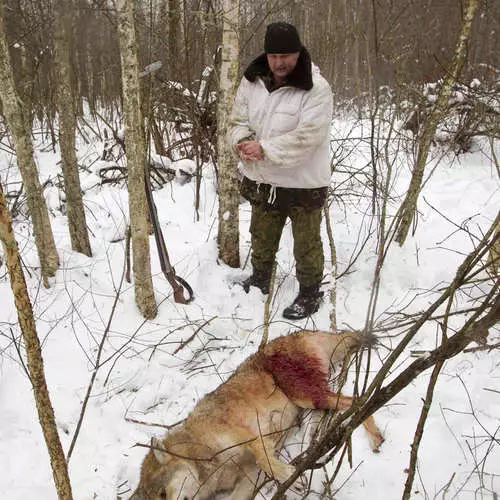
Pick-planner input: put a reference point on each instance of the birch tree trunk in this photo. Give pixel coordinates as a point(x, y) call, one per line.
point(409, 206)
point(34, 354)
point(17, 123)
point(67, 127)
point(228, 236)
point(136, 159)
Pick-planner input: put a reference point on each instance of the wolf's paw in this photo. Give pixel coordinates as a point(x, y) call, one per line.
point(376, 441)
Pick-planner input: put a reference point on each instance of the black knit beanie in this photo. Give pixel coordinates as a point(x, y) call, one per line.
point(282, 38)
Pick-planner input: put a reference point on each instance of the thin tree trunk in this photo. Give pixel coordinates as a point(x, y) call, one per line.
point(185, 22)
point(174, 36)
point(229, 197)
point(409, 206)
point(420, 429)
point(34, 354)
point(67, 127)
point(357, 49)
point(136, 159)
point(16, 119)
point(157, 136)
point(333, 254)
point(267, 308)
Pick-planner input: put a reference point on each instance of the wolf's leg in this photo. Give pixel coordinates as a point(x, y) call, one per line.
point(330, 401)
point(263, 449)
point(340, 402)
point(374, 434)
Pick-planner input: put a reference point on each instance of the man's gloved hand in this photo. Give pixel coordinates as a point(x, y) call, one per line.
point(250, 151)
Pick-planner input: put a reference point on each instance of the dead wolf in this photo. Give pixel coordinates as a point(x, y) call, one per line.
point(236, 430)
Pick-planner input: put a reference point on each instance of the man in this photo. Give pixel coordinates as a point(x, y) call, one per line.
point(279, 127)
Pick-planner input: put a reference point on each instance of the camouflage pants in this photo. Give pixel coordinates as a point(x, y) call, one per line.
point(266, 227)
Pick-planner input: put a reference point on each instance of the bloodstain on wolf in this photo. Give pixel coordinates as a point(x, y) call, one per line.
point(300, 378)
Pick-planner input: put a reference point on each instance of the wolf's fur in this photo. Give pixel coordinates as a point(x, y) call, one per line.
point(236, 430)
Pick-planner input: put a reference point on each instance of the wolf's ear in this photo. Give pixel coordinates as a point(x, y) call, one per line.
point(157, 446)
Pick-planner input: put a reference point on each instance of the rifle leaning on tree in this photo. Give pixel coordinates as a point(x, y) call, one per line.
point(178, 284)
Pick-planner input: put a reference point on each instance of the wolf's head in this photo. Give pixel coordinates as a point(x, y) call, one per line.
point(167, 476)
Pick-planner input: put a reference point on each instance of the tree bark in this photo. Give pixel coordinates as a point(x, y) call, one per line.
point(136, 159)
point(228, 236)
point(34, 353)
point(16, 119)
point(409, 206)
point(67, 127)
point(26, 85)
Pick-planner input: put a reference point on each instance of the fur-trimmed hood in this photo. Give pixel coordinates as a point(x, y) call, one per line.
point(301, 77)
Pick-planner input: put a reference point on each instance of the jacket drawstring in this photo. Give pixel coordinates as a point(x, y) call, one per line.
point(272, 195)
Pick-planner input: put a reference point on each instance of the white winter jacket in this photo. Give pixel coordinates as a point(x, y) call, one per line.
point(292, 126)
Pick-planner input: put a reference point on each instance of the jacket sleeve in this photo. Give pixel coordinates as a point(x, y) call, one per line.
point(294, 147)
point(238, 128)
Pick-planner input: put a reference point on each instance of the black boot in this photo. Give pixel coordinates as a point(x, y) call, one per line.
point(306, 303)
point(259, 279)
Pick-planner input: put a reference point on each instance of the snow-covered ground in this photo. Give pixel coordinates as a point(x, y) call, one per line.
point(145, 377)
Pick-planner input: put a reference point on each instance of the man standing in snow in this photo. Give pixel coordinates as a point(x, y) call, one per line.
point(279, 127)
